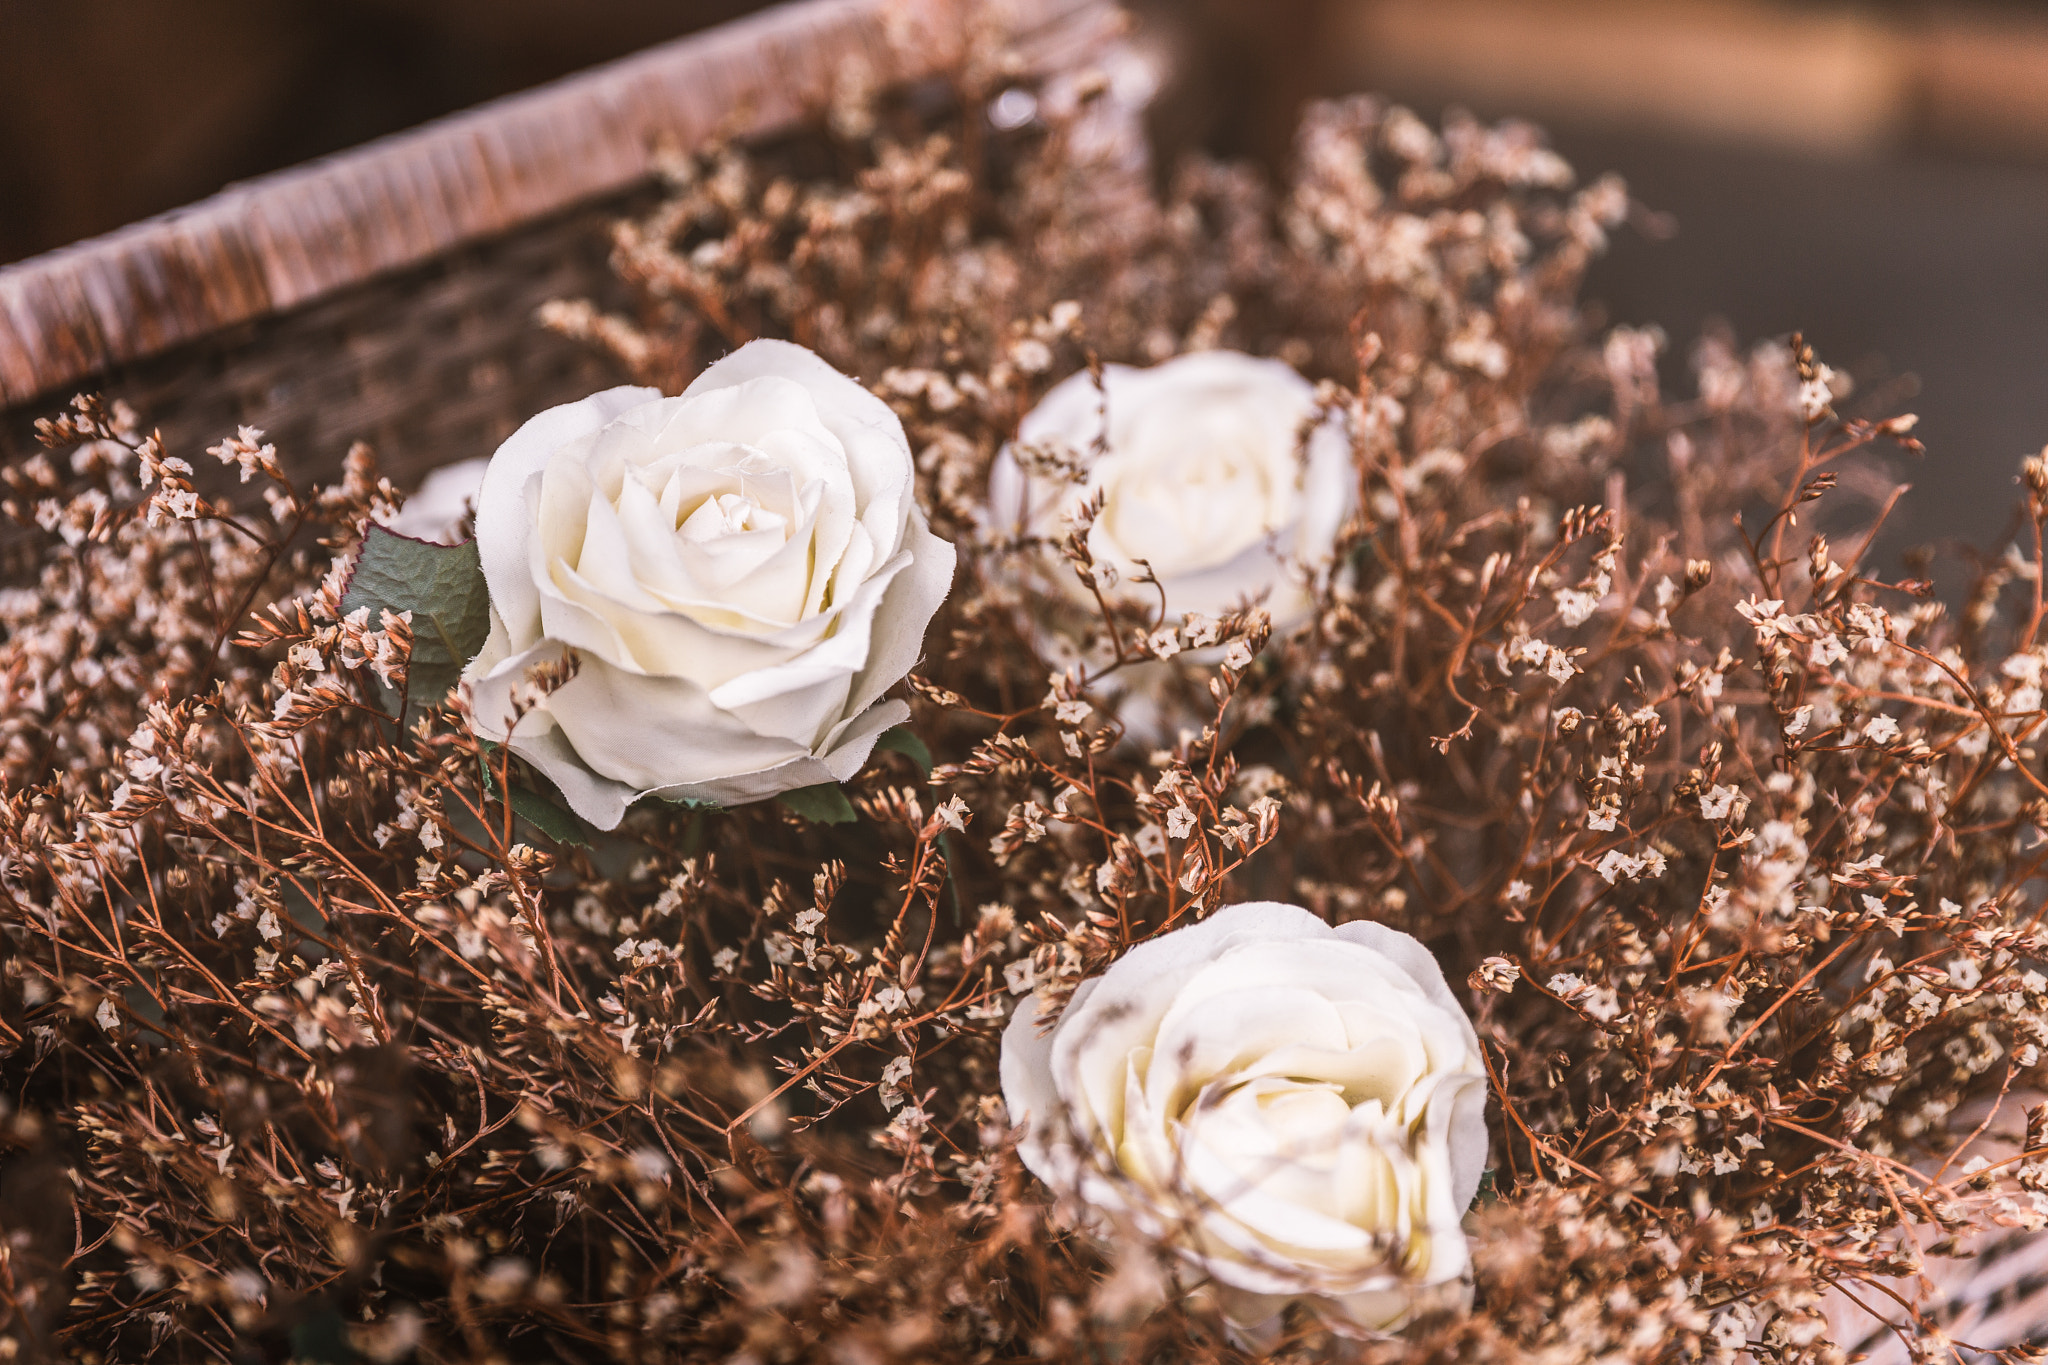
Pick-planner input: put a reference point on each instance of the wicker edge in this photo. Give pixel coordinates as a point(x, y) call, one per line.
point(277, 243)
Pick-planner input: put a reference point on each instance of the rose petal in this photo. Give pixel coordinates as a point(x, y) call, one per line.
point(1030, 1092)
point(598, 800)
point(1218, 1031)
point(1221, 1173)
point(846, 752)
point(913, 597)
point(878, 452)
point(1467, 1136)
point(503, 521)
point(658, 732)
point(782, 420)
point(801, 697)
point(1136, 992)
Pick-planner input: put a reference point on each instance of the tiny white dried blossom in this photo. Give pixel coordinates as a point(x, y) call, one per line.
point(1201, 630)
point(1717, 802)
point(1567, 985)
point(1827, 650)
point(895, 1077)
point(1815, 395)
point(1020, 976)
point(247, 449)
point(181, 503)
point(1031, 355)
point(1574, 607)
point(1499, 974)
point(1801, 718)
point(1180, 822)
point(954, 814)
point(1881, 729)
point(1616, 865)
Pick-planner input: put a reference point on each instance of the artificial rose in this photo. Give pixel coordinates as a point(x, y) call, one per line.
point(740, 573)
point(1202, 476)
point(1297, 1110)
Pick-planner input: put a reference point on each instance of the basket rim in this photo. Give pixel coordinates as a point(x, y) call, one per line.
point(280, 241)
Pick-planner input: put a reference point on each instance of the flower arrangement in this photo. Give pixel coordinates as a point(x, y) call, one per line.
point(1229, 779)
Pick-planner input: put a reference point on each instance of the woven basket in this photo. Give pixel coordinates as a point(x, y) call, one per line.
point(387, 294)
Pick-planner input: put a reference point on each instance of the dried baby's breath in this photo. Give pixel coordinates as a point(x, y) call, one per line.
point(311, 1037)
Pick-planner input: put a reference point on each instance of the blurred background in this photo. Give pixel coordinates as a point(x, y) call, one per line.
point(1875, 174)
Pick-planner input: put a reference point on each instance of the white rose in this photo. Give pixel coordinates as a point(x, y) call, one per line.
point(1298, 1110)
point(1202, 476)
point(741, 573)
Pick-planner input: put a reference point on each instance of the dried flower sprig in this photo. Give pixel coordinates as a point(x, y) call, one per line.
point(312, 1033)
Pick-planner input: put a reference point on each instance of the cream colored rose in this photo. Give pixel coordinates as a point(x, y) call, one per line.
point(1298, 1110)
point(1202, 476)
point(741, 572)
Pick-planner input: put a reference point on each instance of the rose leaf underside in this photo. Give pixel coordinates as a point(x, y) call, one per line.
point(824, 804)
point(536, 808)
point(903, 740)
point(443, 587)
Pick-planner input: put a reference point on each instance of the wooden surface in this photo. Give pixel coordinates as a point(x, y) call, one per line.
point(1835, 80)
point(289, 240)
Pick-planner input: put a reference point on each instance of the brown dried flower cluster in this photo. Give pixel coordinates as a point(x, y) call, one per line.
point(315, 1047)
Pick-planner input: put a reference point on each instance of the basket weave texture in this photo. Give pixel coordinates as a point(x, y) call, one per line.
point(387, 294)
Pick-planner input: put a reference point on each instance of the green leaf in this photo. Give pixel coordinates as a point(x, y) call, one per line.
point(550, 819)
point(903, 740)
point(143, 1007)
point(824, 804)
point(321, 1337)
point(302, 910)
point(443, 587)
point(537, 809)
